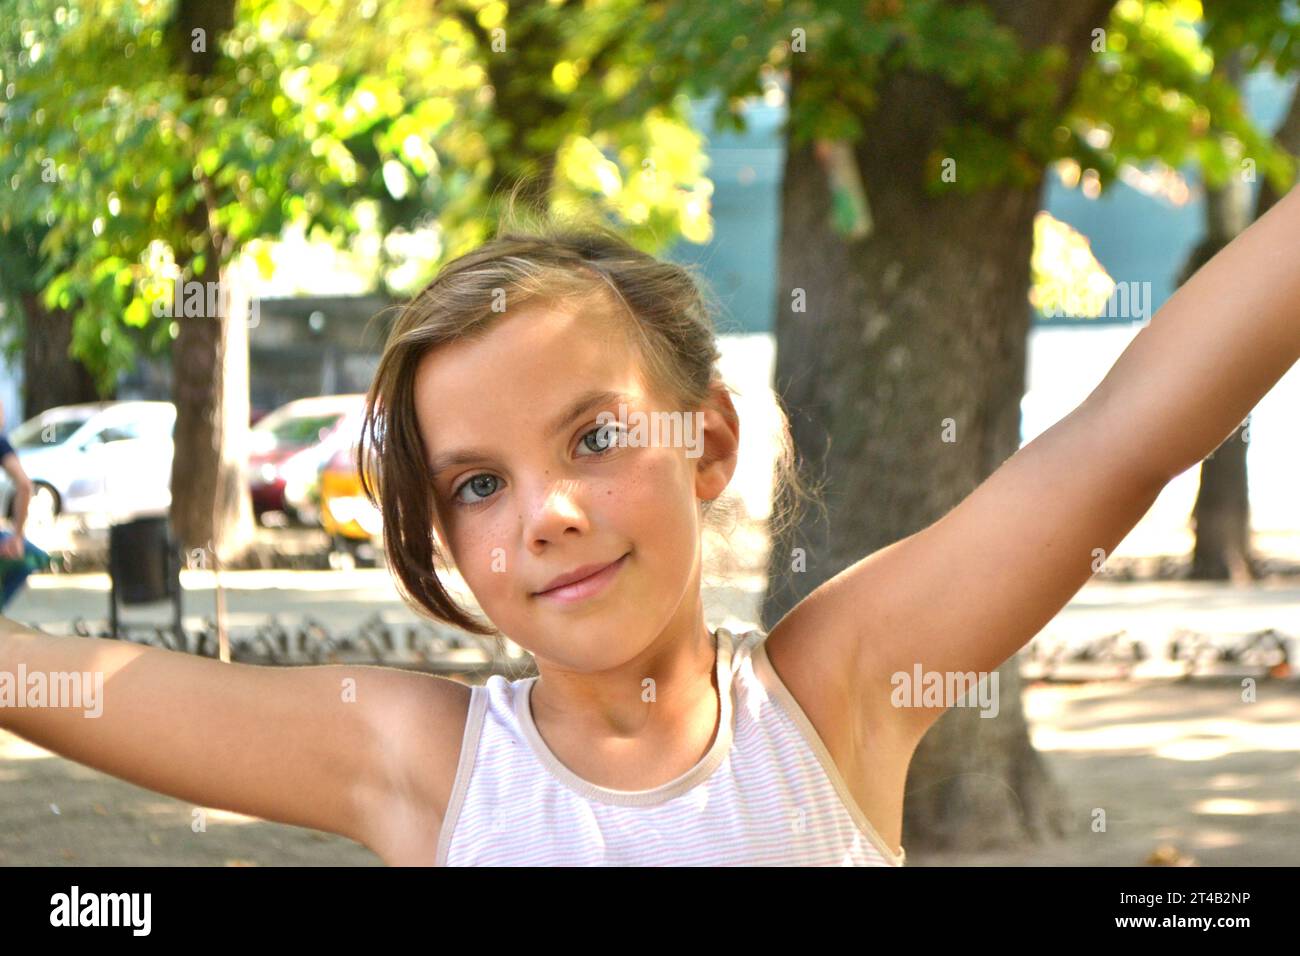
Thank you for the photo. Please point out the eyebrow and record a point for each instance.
(579, 406)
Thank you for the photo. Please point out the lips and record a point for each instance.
(586, 571)
(582, 582)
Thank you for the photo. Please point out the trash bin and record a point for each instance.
(143, 561)
(144, 566)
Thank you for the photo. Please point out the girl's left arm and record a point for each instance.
(1214, 349)
(965, 593)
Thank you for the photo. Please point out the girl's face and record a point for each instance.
(527, 487)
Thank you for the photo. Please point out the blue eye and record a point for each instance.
(471, 481)
(606, 437)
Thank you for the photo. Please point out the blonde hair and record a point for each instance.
(534, 257)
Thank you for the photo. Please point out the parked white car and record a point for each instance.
(104, 461)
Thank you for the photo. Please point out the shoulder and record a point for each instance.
(870, 752)
(816, 672)
(438, 718)
(809, 656)
(422, 726)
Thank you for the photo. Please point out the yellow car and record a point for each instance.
(354, 524)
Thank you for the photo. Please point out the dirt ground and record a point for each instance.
(54, 812)
(1186, 772)
(1184, 765)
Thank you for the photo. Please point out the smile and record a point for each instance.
(588, 587)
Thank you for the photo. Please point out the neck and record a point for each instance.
(665, 686)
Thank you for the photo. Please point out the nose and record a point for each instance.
(557, 511)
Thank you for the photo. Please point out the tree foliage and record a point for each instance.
(379, 118)
(346, 120)
(1149, 92)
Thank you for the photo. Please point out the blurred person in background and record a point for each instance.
(13, 547)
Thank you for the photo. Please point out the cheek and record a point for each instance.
(653, 497)
(482, 552)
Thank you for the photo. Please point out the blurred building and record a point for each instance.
(298, 347)
(315, 345)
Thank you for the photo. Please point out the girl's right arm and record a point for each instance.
(332, 747)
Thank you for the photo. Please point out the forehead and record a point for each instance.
(528, 364)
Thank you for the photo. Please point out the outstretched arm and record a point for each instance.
(965, 593)
(1213, 350)
(344, 749)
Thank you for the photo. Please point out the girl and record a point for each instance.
(491, 445)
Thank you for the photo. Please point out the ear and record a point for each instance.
(719, 444)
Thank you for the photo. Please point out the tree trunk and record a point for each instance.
(51, 376)
(526, 110)
(211, 504)
(1221, 515)
(923, 321)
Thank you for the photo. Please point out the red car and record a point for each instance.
(287, 450)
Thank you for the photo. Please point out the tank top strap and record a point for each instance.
(469, 746)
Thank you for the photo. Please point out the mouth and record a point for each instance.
(586, 587)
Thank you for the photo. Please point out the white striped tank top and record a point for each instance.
(766, 794)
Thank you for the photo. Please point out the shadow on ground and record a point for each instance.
(1186, 765)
